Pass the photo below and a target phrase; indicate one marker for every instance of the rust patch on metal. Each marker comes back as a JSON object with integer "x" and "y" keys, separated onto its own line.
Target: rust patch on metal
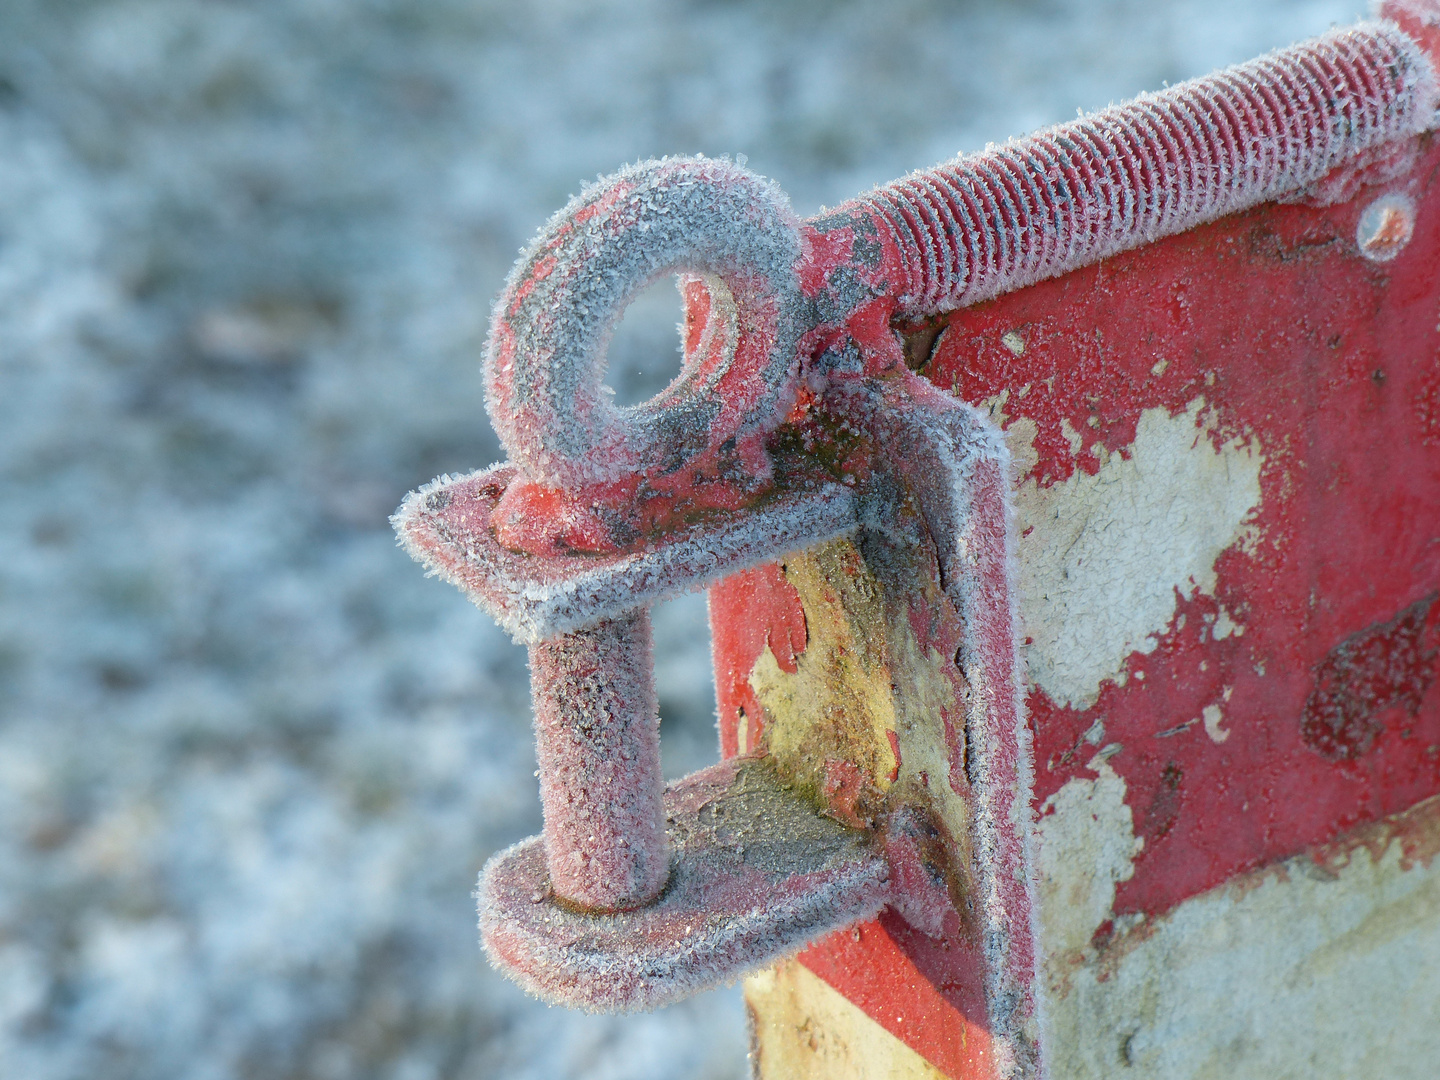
{"x": 1384, "y": 667}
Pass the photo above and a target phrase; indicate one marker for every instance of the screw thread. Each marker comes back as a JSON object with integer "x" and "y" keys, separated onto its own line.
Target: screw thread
{"x": 1161, "y": 164}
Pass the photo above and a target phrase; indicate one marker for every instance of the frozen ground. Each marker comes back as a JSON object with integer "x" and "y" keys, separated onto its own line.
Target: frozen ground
{"x": 250, "y": 758}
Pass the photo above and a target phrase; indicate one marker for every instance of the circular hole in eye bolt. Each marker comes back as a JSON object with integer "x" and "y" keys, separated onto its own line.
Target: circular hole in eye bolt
{"x": 645, "y": 355}
{"x": 1385, "y": 227}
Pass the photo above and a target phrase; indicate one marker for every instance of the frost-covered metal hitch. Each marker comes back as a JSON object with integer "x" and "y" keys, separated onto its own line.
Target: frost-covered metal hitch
{"x": 796, "y": 421}
{"x": 636, "y": 896}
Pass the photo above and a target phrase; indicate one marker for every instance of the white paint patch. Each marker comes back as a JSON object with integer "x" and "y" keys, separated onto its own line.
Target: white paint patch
{"x": 1101, "y": 558}
{"x": 1211, "y": 715}
{"x": 1225, "y": 626}
{"x": 1295, "y": 973}
{"x": 1073, "y": 437}
{"x": 1087, "y": 843}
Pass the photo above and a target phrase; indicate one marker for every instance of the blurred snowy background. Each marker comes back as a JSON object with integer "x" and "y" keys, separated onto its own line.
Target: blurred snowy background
{"x": 250, "y": 758}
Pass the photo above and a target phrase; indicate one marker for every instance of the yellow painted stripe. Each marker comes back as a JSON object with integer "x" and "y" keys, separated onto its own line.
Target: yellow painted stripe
{"x": 803, "y": 1029}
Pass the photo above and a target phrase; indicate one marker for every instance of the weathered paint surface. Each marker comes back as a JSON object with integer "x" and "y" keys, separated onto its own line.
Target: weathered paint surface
{"x": 865, "y": 714}
{"x": 866, "y": 705}
{"x": 1228, "y": 493}
{"x": 1087, "y": 844}
{"x": 1324, "y": 965}
{"x": 1124, "y": 544}
{"x": 1354, "y": 979}
{"x": 1285, "y": 686}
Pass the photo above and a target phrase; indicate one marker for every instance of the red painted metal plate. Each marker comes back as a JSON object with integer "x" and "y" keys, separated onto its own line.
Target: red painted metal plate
{"x": 1326, "y": 365}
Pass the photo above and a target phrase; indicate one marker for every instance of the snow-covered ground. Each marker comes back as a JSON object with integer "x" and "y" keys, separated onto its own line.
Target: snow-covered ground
{"x": 250, "y": 758}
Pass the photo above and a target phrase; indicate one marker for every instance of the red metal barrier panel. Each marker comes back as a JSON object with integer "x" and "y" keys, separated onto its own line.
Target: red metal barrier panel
{"x": 1226, "y": 452}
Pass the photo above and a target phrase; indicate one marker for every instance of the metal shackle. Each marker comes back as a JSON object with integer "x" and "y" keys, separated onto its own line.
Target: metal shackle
{"x": 593, "y": 689}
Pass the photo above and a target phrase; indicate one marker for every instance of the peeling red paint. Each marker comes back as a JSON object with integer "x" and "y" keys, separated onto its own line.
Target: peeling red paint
{"x": 1321, "y": 358}
{"x": 1417, "y": 831}
{"x": 841, "y": 788}
{"x": 1276, "y": 332}
{"x": 749, "y": 612}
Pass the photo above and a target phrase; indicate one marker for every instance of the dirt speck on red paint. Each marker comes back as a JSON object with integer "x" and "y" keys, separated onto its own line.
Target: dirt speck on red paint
{"x": 1164, "y": 808}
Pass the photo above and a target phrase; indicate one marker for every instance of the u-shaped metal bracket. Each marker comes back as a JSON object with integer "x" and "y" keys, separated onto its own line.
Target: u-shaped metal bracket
{"x": 636, "y": 895}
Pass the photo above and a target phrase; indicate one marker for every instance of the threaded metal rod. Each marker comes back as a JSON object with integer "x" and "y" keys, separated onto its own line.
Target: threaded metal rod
{"x": 1073, "y": 194}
